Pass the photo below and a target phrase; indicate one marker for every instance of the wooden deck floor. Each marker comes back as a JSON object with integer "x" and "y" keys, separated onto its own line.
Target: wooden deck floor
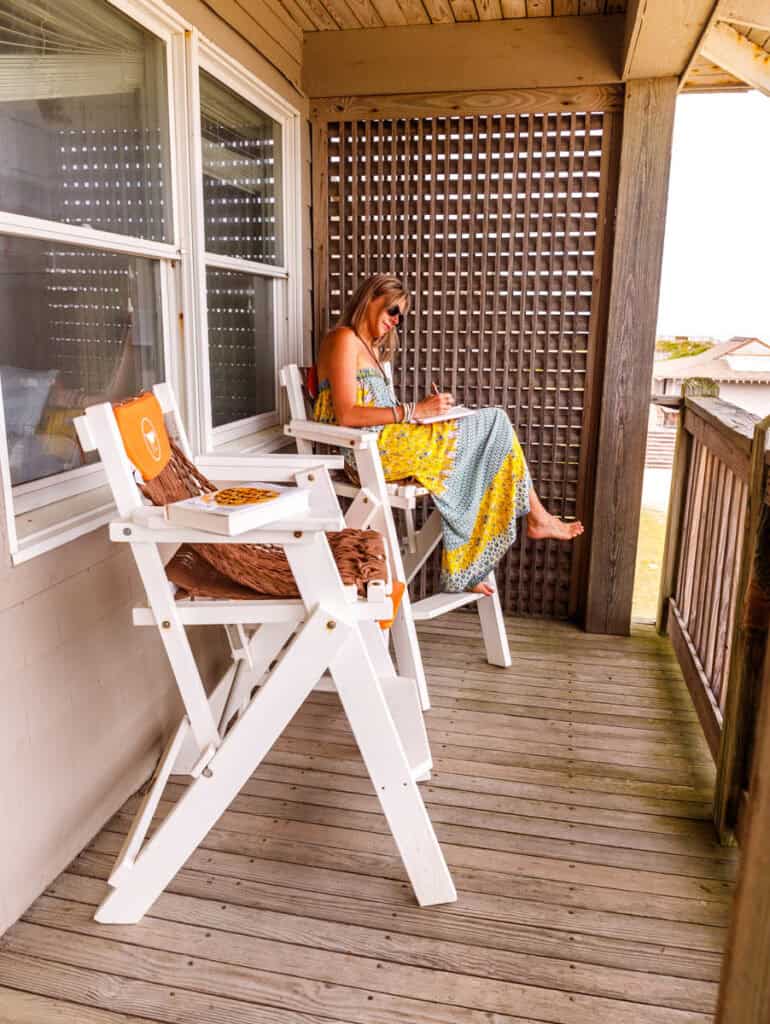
{"x": 571, "y": 795}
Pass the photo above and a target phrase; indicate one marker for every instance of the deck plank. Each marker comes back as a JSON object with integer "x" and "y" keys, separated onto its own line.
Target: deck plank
{"x": 586, "y": 930}
{"x": 572, "y": 796}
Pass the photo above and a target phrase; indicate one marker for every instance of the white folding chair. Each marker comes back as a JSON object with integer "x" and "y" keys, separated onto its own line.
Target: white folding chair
{"x": 408, "y": 555}
{"x": 329, "y": 631}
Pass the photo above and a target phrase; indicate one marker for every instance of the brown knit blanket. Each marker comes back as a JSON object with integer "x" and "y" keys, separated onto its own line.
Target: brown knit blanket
{"x": 249, "y": 571}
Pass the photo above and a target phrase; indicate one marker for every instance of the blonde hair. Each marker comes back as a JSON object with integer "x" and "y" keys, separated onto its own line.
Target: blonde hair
{"x": 354, "y": 313}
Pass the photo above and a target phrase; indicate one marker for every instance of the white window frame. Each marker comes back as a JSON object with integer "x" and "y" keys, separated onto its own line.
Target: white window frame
{"x": 287, "y": 298}
{"x": 24, "y": 498}
{"x": 182, "y": 266}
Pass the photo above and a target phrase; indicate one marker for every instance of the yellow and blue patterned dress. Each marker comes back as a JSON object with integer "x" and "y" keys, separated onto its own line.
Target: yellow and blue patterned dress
{"x": 474, "y": 468}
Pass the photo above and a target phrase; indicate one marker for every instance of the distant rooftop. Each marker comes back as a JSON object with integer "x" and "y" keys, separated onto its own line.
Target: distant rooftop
{"x": 739, "y": 360}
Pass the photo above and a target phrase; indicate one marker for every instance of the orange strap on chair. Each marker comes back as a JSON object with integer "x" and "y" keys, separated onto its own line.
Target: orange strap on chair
{"x": 143, "y": 430}
{"x": 398, "y": 593}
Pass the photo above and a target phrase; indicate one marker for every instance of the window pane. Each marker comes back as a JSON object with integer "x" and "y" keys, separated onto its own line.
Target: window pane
{"x": 76, "y": 327}
{"x": 241, "y": 345}
{"x": 242, "y": 202}
{"x": 83, "y": 117}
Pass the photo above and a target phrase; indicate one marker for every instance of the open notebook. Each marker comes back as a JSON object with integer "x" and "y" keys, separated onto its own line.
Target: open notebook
{"x": 455, "y": 413}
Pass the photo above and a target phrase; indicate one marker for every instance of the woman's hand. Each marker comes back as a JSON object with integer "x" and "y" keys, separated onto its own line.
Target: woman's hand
{"x": 433, "y": 405}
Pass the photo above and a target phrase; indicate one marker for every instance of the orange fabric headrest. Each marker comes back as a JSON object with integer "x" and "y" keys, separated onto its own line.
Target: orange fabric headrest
{"x": 144, "y": 434}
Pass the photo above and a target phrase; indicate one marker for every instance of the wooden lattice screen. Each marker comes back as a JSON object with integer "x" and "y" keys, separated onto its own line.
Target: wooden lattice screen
{"x": 495, "y": 223}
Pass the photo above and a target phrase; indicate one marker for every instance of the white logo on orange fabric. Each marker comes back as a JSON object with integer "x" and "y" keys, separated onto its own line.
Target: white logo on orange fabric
{"x": 151, "y": 439}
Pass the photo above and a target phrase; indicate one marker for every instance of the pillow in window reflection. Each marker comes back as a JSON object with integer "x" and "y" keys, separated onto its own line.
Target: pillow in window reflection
{"x": 32, "y": 457}
{"x": 25, "y": 393}
{"x": 59, "y": 422}
{"x": 144, "y": 434}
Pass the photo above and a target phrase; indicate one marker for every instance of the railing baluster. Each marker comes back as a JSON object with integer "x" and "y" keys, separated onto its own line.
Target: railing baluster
{"x": 718, "y": 485}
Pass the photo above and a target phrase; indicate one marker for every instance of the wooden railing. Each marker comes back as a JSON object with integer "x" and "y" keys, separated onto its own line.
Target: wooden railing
{"x": 719, "y": 483}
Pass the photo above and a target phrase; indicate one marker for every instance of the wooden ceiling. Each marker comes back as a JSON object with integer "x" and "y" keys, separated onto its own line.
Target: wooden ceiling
{"x": 281, "y": 29}
{"x": 327, "y": 15}
{"x": 706, "y": 76}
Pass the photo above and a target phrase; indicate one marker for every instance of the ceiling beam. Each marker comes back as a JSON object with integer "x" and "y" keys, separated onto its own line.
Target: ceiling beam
{"x": 527, "y": 53}
{"x": 662, "y": 35}
{"x": 738, "y": 55}
{"x": 755, "y": 13}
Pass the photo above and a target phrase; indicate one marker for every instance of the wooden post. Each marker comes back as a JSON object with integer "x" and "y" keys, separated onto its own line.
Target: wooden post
{"x": 643, "y": 188}
{"x": 736, "y": 729}
{"x": 744, "y": 992}
{"x": 692, "y": 387}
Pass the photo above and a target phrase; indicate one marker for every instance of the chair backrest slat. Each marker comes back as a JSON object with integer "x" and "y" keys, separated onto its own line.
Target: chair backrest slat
{"x": 118, "y": 469}
{"x": 168, "y": 403}
{"x": 291, "y": 378}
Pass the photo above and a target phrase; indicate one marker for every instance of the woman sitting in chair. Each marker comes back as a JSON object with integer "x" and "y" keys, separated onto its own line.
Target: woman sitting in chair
{"x": 473, "y": 466}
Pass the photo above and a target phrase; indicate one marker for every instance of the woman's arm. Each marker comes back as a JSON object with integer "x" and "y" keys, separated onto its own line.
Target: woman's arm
{"x": 341, "y": 361}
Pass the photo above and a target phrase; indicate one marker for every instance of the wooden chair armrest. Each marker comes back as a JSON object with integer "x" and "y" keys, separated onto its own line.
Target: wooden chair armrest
{"x": 155, "y": 529}
{"x": 329, "y": 433}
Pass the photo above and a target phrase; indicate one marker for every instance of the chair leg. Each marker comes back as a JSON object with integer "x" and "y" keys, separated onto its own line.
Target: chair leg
{"x": 493, "y": 628}
{"x": 388, "y": 768}
{"x": 427, "y": 540}
{"x": 263, "y": 647}
{"x": 376, "y": 642}
{"x": 407, "y": 649}
{"x": 239, "y": 754}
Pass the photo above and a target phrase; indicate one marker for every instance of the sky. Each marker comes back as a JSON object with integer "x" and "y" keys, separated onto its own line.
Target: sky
{"x": 716, "y": 259}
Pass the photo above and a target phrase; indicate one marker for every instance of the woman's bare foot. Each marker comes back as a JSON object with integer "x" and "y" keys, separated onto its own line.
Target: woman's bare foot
{"x": 483, "y": 588}
{"x": 544, "y": 525}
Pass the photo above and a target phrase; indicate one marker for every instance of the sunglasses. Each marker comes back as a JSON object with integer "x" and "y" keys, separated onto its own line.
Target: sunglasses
{"x": 395, "y": 311}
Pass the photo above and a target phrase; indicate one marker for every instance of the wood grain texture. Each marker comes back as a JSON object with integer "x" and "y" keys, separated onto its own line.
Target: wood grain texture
{"x": 745, "y": 989}
{"x": 497, "y": 101}
{"x": 739, "y": 707}
{"x": 718, "y": 442}
{"x": 267, "y": 33}
{"x": 294, "y": 909}
{"x": 602, "y": 270}
{"x": 660, "y": 38}
{"x": 674, "y": 522}
{"x": 388, "y": 12}
{"x": 366, "y": 13}
{"x": 215, "y": 26}
{"x": 437, "y": 12}
{"x": 702, "y": 558}
{"x": 27, "y": 1008}
{"x": 704, "y": 75}
{"x": 698, "y": 683}
{"x": 738, "y": 55}
{"x": 747, "y": 12}
{"x": 638, "y": 248}
{"x": 524, "y": 52}
{"x": 732, "y": 422}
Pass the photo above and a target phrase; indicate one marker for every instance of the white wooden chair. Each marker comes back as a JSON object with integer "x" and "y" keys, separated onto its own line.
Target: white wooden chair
{"x": 408, "y": 555}
{"x": 328, "y": 632}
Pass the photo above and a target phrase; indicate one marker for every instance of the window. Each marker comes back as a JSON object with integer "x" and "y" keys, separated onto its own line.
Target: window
{"x": 131, "y": 205}
{"x": 77, "y": 326}
{"x": 243, "y": 213}
{"x": 241, "y": 345}
{"x": 241, "y": 159}
{"x": 84, "y": 118}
